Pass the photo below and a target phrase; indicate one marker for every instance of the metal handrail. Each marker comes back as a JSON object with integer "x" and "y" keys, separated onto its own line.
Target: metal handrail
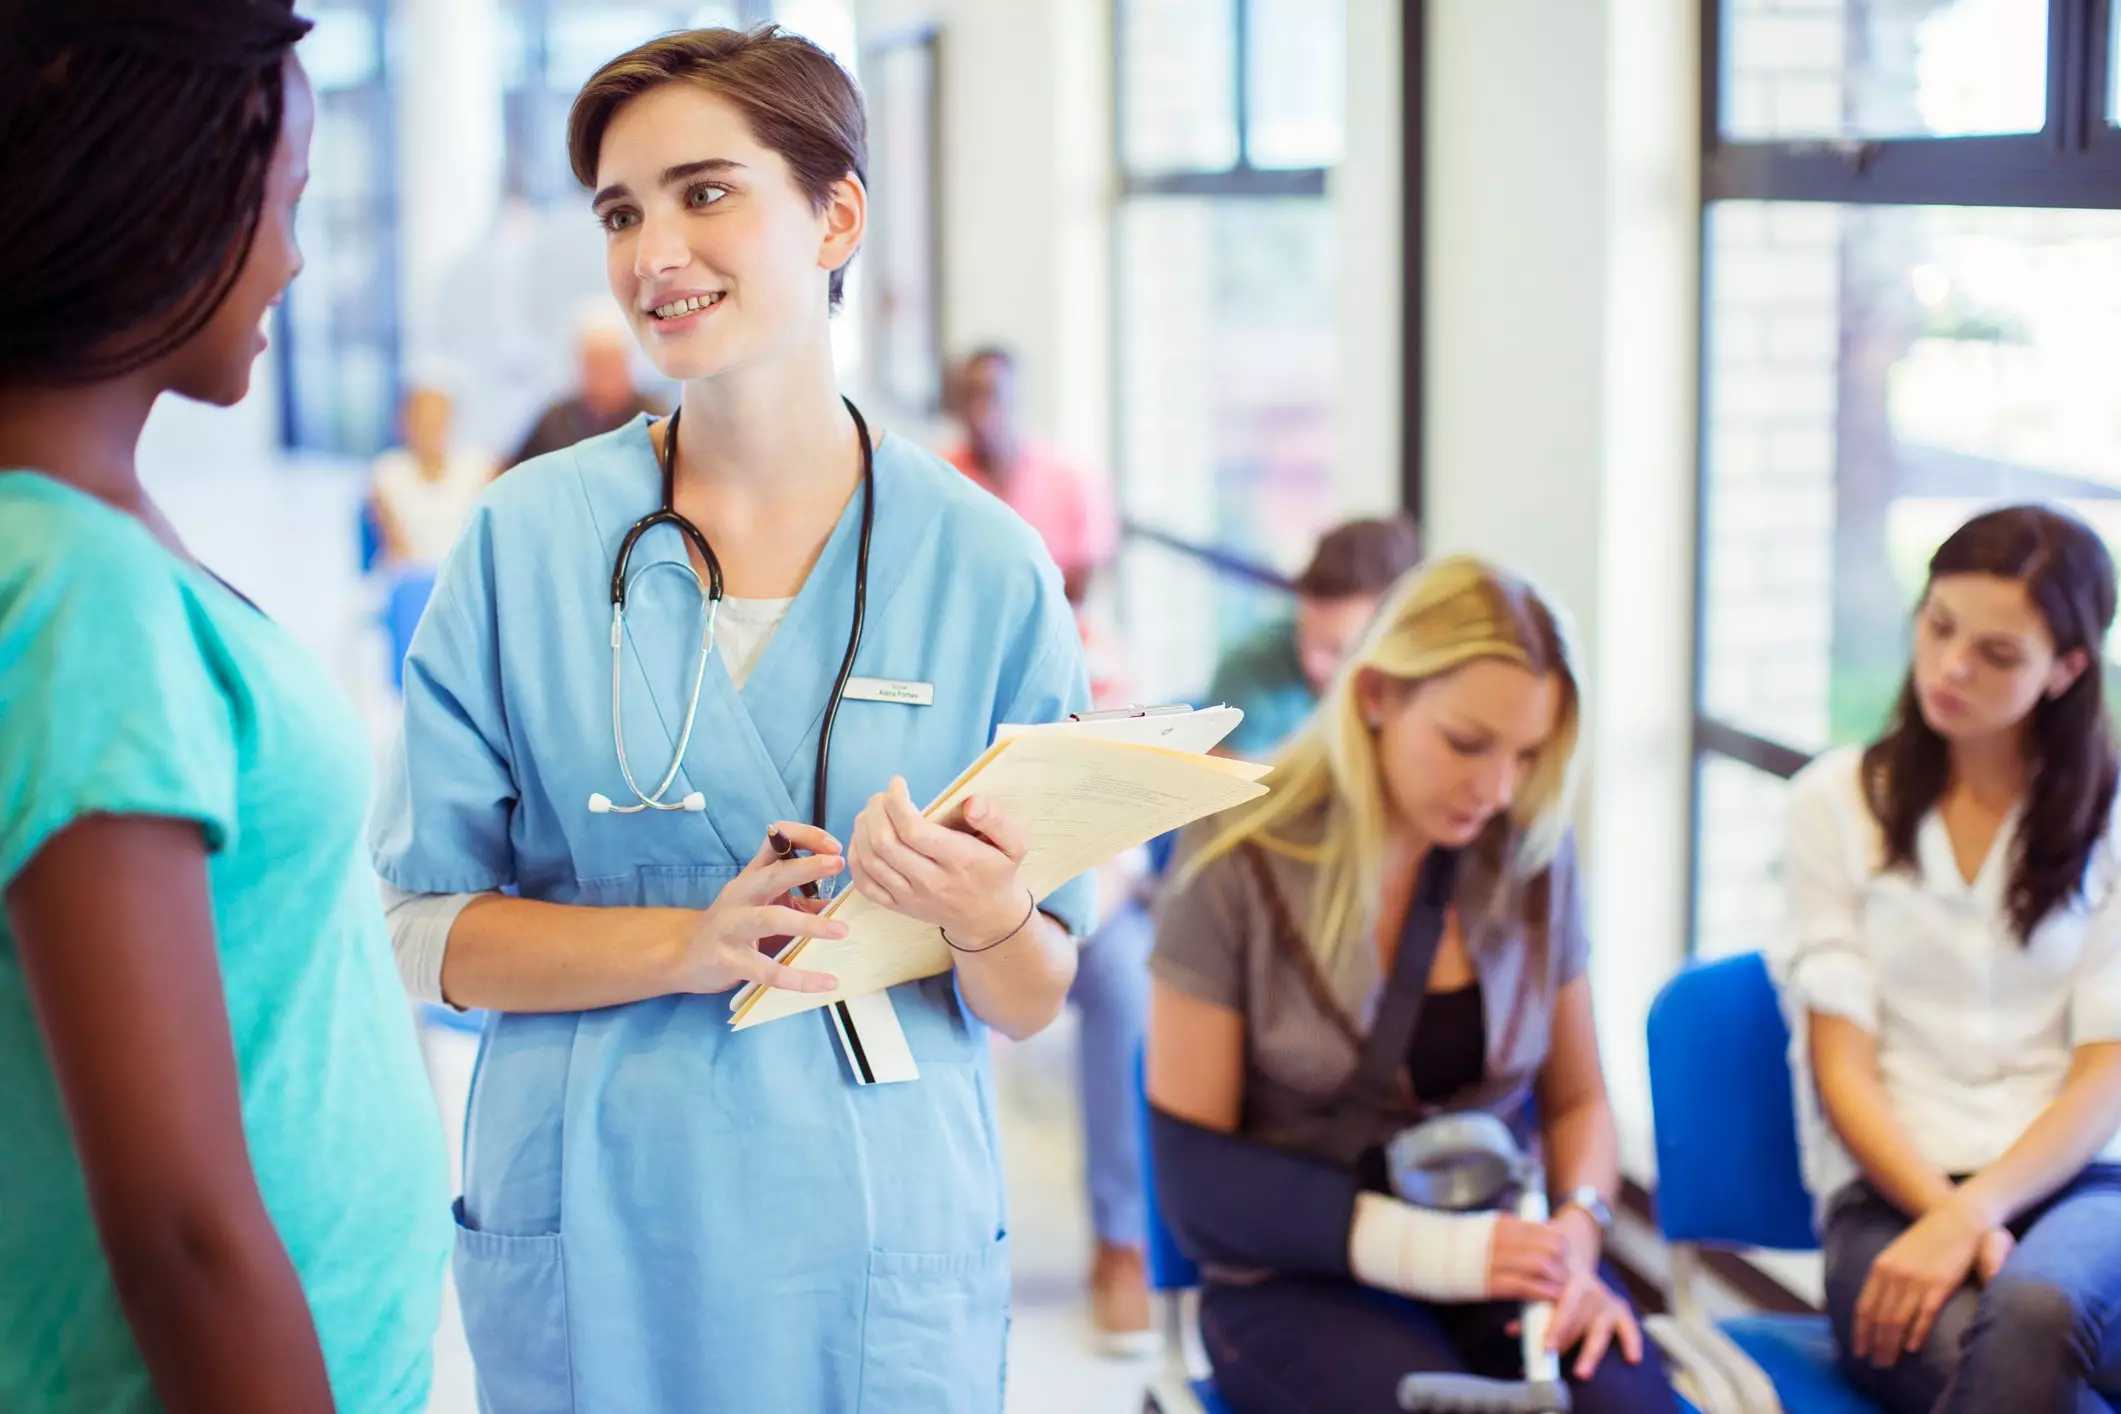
{"x": 1224, "y": 562}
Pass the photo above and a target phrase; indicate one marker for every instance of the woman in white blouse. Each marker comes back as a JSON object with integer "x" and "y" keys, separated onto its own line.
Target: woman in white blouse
{"x": 1956, "y": 942}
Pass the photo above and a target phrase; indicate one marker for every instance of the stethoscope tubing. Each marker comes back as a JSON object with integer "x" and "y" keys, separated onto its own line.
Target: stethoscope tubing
{"x": 711, "y": 595}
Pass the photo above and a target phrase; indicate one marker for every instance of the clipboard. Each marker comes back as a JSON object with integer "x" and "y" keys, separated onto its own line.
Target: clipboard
{"x": 1180, "y": 728}
{"x": 1101, "y": 785}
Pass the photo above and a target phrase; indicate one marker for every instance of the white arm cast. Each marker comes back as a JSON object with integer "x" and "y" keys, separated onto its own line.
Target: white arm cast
{"x": 1416, "y": 1252}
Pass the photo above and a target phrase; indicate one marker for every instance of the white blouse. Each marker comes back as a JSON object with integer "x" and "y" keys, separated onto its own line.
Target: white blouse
{"x": 1974, "y": 1029}
{"x": 429, "y": 514}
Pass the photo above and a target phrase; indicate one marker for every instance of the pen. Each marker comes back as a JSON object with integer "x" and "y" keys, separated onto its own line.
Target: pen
{"x": 784, "y": 848}
{"x": 1175, "y": 710}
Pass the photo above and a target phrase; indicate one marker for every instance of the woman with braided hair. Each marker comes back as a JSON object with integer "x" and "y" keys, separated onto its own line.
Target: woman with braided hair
{"x": 224, "y": 1186}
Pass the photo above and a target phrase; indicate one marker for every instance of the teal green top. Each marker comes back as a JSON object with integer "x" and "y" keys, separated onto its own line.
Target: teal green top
{"x": 132, "y": 684}
{"x": 1262, "y": 675}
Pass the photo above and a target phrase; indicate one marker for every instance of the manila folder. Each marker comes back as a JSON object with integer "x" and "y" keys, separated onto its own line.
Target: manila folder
{"x": 1084, "y": 801}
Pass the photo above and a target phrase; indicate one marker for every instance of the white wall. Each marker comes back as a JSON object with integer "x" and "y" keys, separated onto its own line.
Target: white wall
{"x": 449, "y": 130}
{"x": 1558, "y": 398}
{"x": 1368, "y": 204}
{"x": 1026, "y": 196}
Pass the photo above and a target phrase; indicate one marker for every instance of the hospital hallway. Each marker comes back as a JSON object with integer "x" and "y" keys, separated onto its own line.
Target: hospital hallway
{"x": 283, "y": 533}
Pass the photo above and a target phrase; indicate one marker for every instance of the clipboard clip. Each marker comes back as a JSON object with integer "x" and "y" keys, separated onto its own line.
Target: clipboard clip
{"x": 1176, "y": 709}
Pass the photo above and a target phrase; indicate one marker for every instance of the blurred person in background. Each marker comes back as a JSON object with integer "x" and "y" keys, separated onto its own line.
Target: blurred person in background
{"x": 1439, "y": 764}
{"x": 1069, "y": 507}
{"x": 604, "y": 397}
{"x": 224, "y": 1186}
{"x": 1954, "y": 945}
{"x": 1278, "y": 673}
{"x": 421, "y": 492}
{"x": 1074, "y": 517}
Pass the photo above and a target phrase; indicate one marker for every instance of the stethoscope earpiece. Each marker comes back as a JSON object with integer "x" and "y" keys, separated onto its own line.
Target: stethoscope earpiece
{"x": 599, "y": 804}
{"x": 696, "y": 802}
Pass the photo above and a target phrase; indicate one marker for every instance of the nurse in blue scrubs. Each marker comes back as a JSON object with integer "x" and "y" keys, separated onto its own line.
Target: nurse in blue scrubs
{"x": 660, "y": 1214}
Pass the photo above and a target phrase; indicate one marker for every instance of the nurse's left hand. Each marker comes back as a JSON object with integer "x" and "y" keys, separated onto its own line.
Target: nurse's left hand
{"x": 963, "y": 881}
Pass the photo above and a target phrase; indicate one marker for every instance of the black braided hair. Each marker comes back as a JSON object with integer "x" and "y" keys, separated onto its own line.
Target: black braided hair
{"x": 135, "y": 140}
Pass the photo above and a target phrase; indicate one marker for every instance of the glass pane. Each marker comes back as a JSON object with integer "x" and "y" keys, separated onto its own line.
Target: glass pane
{"x": 2113, "y": 74}
{"x": 900, "y": 253}
{"x": 336, "y": 336}
{"x": 1738, "y": 898}
{"x": 1228, "y": 359}
{"x": 1877, "y": 375}
{"x": 829, "y": 24}
{"x": 341, "y": 51}
{"x": 1296, "y": 81}
{"x": 1178, "y": 65}
{"x": 584, "y": 38}
{"x": 1883, "y": 68}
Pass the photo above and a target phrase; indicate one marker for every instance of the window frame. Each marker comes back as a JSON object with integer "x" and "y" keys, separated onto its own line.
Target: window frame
{"x": 2073, "y": 162}
{"x": 378, "y": 219}
{"x": 1242, "y": 180}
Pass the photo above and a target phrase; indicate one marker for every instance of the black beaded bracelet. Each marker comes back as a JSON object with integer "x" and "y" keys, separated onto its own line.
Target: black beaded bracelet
{"x": 990, "y": 947}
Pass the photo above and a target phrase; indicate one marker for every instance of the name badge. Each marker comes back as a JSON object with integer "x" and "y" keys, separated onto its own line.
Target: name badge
{"x": 910, "y": 694}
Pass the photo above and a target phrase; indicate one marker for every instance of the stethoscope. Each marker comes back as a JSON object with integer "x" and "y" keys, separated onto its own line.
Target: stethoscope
{"x": 710, "y": 607}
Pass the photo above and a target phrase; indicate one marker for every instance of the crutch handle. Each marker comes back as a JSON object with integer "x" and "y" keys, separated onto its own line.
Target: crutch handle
{"x": 1541, "y": 1365}
{"x": 1471, "y": 1394}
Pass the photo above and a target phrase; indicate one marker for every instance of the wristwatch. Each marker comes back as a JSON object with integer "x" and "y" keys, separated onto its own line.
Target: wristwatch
{"x": 1592, "y": 1202}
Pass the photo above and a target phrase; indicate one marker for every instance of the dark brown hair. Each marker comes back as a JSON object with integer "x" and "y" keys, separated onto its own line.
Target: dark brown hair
{"x": 135, "y": 140}
{"x": 798, "y": 100}
{"x": 2069, "y": 577}
{"x": 1360, "y": 557}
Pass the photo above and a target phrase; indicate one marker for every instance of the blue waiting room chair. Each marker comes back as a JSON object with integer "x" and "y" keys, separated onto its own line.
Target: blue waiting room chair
{"x": 1729, "y": 1176}
{"x": 407, "y": 601}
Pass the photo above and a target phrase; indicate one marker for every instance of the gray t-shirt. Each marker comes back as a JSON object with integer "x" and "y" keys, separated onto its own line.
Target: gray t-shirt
{"x": 1217, "y": 941}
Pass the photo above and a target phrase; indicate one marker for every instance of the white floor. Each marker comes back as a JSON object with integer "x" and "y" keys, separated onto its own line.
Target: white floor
{"x": 285, "y": 535}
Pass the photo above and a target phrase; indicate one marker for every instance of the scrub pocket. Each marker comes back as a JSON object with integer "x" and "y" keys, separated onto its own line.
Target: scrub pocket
{"x": 936, "y": 1332}
{"x": 514, "y": 1297}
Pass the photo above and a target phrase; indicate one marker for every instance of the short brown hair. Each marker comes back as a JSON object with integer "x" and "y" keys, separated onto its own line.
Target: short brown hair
{"x": 798, "y": 100}
{"x": 1361, "y": 557}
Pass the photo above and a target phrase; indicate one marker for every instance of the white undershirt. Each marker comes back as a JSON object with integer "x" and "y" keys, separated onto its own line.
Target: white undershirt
{"x": 420, "y": 923}
{"x": 742, "y": 631}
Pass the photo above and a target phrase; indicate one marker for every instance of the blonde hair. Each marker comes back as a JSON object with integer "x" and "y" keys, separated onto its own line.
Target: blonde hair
{"x": 1438, "y": 618}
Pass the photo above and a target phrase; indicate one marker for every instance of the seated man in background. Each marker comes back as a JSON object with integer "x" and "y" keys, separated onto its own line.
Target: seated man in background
{"x": 1068, "y": 507}
{"x": 421, "y": 492}
{"x": 604, "y": 396}
{"x": 1278, "y": 673}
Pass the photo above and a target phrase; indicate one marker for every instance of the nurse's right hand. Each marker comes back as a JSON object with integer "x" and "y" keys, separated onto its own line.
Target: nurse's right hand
{"x": 760, "y": 908}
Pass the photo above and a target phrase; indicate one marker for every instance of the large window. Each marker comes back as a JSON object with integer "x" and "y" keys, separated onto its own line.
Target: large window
{"x": 549, "y": 50}
{"x": 337, "y": 334}
{"x": 1911, "y": 292}
{"x": 1230, "y": 115}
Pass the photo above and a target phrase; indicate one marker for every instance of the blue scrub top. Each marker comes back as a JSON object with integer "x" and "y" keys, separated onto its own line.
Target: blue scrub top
{"x": 660, "y": 1213}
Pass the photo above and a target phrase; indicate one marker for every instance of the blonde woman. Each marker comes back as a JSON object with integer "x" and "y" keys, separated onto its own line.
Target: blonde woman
{"x": 1438, "y": 764}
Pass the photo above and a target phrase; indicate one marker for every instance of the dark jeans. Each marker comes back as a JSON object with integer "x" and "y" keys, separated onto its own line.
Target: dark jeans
{"x": 1313, "y": 1345}
{"x": 2040, "y": 1339}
